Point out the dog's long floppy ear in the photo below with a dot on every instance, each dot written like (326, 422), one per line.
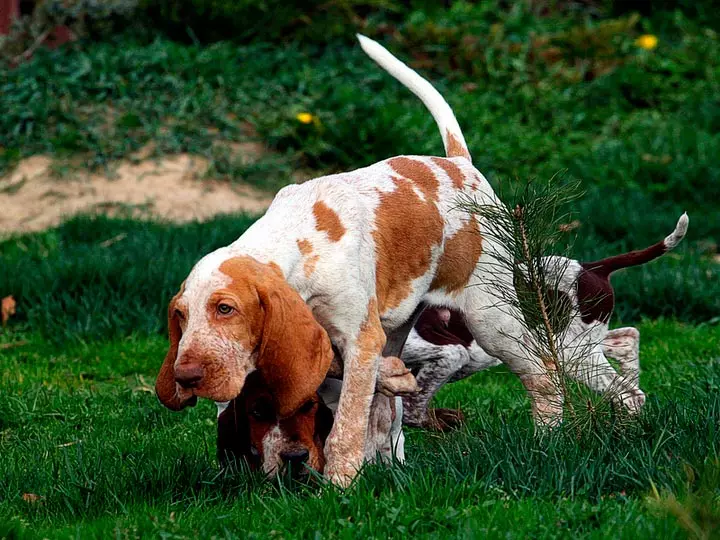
(324, 420)
(165, 386)
(295, 351)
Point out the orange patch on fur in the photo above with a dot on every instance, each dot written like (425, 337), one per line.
(419, 173)
(452, 170)
(310, 261)
(459, 259)
(455, 148)
(294, 351)
(326, 219)
(371, 339)
(407, 228)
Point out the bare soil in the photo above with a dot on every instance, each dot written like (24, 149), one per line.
(171, 188)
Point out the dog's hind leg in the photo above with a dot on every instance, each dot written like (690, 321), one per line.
(502, 335)
(623, 344)
(436, 364)
(594, 370)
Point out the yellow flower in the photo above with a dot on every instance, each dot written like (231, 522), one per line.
(647, 42)
(305, 118)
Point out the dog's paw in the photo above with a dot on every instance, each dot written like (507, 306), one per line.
(394, 379)
(633, 400)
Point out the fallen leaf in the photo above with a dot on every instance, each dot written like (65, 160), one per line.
(567, 227)
(31, 498)
(7, 309)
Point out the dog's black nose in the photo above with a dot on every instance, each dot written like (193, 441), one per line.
(295, 458)
(189, 375)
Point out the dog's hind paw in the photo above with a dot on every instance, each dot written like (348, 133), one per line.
(394, 379)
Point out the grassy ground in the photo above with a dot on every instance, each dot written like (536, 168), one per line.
(81, 429)
(86, 450)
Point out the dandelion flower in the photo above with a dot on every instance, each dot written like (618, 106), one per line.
(647, 42)
(305, 118)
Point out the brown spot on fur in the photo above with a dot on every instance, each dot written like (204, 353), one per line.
(459, 259)
(455, 148)
(418, 173)
(406, 230)
(453, 332)
(326, 219)
(452, 170)
(310, 260)
(371, 339)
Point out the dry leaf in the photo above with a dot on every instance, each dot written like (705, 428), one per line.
(567, 227)
(7, 309)
(31, 498)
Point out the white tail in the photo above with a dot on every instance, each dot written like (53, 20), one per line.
(452, 136)
(674, 238)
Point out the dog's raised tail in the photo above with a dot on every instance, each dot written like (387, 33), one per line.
(452, 136)
(633, 258)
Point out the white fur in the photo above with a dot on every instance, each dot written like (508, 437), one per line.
(383, 441)
(273, 442)
(431, 98)
(674, 238)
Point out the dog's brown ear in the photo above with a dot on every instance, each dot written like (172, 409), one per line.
(233, 441)
(324, 420)
(165, 386)
(295, 351)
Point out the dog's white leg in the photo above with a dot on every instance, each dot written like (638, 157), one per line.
(594, 370)
(361, 350)
(502, 335)
(623, 344)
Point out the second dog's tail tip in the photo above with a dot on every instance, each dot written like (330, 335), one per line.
(683, 223)
(679, 233)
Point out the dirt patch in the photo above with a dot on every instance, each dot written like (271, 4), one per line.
(32, 198)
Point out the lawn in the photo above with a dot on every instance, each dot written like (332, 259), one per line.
(86, 450)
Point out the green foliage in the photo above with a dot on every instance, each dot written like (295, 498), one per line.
(82, 430)
(85, 18)
(271, 20)
(102, 278)
(95, 278)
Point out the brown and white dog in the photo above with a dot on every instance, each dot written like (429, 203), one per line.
(347, 259)
(441, 349)
(250, 429)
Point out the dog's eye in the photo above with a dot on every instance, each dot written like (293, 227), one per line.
(262, 411)
(306, 407)
(225, 309)
(179, 314)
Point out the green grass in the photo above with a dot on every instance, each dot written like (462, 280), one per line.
(81, 428)
(79, 424)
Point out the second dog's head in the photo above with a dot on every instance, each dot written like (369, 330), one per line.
(250, 429)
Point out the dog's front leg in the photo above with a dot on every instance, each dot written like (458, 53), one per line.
(345, 447)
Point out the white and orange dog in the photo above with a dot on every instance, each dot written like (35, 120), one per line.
(440, 348)
(346, 260)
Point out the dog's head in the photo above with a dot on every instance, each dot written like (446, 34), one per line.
(250, 429)
(232, 316)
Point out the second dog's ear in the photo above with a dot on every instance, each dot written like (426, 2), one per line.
(233, 435)
(323, 422)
